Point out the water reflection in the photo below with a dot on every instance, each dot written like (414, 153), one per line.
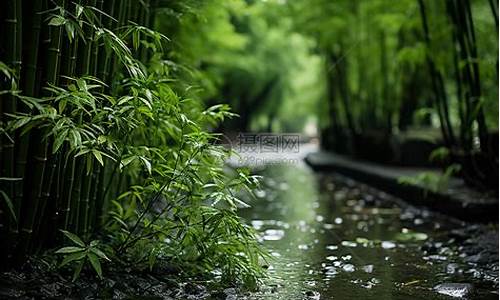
(335, 239)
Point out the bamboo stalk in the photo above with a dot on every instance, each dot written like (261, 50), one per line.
(12, 41)
(40, 145)
(42, 213)
(13, 31)
(435, 75)
(28, 86)
(84, 206)
(105, 60)
(96, 177)
(72, 217)
(69, 176)
(476, 85)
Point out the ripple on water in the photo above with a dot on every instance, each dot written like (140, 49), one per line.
(349, 244)
(273, 234)
(331, 247)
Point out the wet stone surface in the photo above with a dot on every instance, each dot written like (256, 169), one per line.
(333, 238)
(456, 290)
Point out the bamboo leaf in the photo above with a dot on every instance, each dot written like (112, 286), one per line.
(79, 10)
(57, 21)
(70, 250)
(74, 238)
(99, 253)
(60, 138)
(147, 163)
(126, 161)
(98, 156)
(77, 256)
(96, 264)
(9, 204)
(78, 269)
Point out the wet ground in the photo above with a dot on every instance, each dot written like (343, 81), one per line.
(330, 238)
(333, 238)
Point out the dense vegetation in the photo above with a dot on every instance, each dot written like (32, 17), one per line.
(109, 112)
(100, 139)
(371, 74)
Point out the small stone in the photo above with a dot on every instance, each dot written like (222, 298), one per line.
(388, 245)
(457, 290)
(349, 244)
(480, 258)
(313, 295)
(451, 268)
(368, 268)
(348, 268)
(230, 291)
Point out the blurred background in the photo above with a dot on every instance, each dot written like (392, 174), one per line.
(387, 81)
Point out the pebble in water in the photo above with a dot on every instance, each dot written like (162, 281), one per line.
(313, 295)
(388, 245)
(451, 268)
(331, 247)
(348, 268)
(330, 271)
(457, 290)
(368, 268)
(349, 244)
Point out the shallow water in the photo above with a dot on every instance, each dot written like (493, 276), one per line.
(333, 238)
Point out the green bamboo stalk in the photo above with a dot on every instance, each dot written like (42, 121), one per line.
(476, 83)
(122, 17)
(29, 88)
(84, 64)
(68, 60)
(43, 214)
(105, 60)
(69, 176)
(48, 235)
(99, 196)
(435, 79)
(39, 145)
(13, 42)
(96, 177)
(144, 17)
(84, 205)
(72, 216)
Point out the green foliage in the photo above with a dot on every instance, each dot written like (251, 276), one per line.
(440, 154)
(250, 56)
(432, 181)
(81, 253)
(119, 146)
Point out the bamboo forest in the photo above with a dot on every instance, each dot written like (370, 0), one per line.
(249, 149)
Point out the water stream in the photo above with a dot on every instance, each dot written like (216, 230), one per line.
(333, 238)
